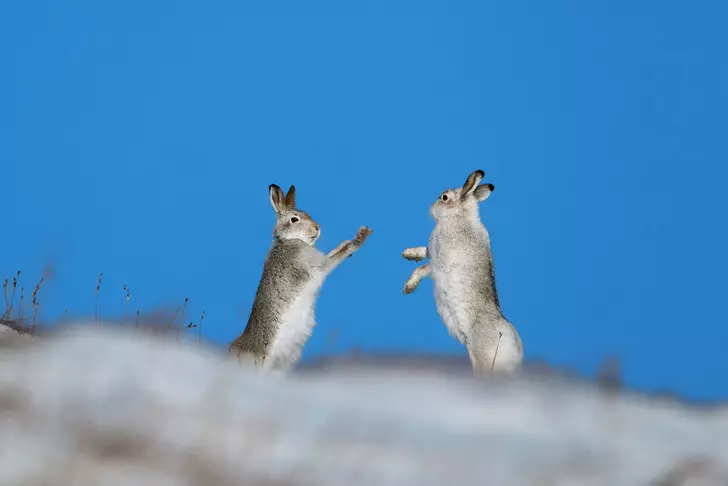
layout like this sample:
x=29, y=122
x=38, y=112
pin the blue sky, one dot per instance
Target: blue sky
x=139, y=138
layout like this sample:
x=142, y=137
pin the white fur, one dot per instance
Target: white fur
x=496, y=345
x=451, y=284
x=457, y=245
x=295, y=328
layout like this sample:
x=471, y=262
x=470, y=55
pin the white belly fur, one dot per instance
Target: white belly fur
x=296, y=327
x=450, y=289
x=453, y=286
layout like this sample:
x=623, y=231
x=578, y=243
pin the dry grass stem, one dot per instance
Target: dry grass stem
x=492, y=366
x=98, y=287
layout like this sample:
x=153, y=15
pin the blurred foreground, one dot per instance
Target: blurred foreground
x=105, y=405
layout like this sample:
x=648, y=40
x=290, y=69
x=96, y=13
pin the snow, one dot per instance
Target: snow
x=96, y=405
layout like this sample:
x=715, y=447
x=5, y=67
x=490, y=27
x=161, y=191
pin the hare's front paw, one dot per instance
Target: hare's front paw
x=413, y=281
x=416, y=254
x=410, y=286
x=361, y=235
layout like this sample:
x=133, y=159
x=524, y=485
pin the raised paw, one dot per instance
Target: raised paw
x=412, y=282
x=409, y=287
x=417, y=254
x=361, y=235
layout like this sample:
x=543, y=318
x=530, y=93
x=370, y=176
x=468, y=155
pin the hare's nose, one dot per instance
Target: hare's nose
x=318, y=229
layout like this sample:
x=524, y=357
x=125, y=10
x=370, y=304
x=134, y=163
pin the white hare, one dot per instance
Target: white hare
x=282, y=318
x=461, y=268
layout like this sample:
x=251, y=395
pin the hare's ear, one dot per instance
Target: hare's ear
x=483, y=191
x=472, y=182
x=277, y=198
x=291, y=197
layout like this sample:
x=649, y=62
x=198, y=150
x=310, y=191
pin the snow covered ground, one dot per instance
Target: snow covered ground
x=104, y=406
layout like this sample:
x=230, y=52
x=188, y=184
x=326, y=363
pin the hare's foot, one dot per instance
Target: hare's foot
x=347, y=248
x=417, y=253
x=417, y=275
x=361, y=236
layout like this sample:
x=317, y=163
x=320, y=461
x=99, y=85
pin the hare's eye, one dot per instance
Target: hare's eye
x=444, y=197
x=294, y=220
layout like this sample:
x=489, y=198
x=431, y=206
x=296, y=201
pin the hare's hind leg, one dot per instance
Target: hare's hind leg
x=245, y=359
x=416, y=277
x=417, y=253
x=499, y=354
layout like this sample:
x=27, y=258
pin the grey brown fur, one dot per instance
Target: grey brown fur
x=282, y=317
x=277, y=272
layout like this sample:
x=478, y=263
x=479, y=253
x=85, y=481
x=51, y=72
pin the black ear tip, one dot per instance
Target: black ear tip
x=480, y=173
x=273, y=187
x=491, y=187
